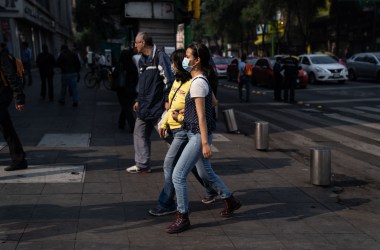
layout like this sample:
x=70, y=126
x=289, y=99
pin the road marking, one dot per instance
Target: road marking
x=44, y=174
x=214, y=149
x=358, y=112
x=377, y=110
x=219, y=137
x=107, y=103
x=65, y=140
x=354, y=121
x=347, y=100
x=334, y=124
x=338, y=88
x=332, y=136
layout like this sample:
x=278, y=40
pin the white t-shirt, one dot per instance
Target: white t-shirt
x=199, y=87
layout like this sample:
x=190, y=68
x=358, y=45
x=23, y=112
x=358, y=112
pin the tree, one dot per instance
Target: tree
x=94, y=21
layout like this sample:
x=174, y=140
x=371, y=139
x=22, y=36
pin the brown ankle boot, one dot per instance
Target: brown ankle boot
x=180, y=224
x=231, y=204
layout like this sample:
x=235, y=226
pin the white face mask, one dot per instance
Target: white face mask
x=185, y=64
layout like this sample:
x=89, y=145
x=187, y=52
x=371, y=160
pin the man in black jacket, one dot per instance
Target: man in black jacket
x=45, y=63
x=11, y=86
x=70, y=67
x=290, y=67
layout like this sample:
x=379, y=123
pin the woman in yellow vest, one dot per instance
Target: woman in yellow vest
x=172, y=124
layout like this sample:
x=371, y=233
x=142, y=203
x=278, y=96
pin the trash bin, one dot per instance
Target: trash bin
x=320, y=166
x=262, y=135
x=229, y=118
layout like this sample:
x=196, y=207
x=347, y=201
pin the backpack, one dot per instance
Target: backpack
x=248, y=69
x=17, y=63
x=19, y=67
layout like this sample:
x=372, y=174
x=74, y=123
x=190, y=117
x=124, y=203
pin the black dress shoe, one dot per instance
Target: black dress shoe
x=75, y=104
x=17, y=166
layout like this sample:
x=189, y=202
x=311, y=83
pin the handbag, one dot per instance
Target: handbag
x=161, y=120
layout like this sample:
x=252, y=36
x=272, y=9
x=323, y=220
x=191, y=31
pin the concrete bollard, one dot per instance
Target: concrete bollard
x=229, y=118
x=320, y=166
x=262, y=135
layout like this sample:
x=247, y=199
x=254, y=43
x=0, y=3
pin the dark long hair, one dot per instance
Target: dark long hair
x=201, y=51
x=176, y=58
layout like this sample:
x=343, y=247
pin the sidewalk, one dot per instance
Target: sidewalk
x=77, y=195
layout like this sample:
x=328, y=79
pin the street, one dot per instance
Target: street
x=76, y=193
x=343, y=117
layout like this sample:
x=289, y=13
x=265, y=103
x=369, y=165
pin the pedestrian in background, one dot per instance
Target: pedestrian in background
x=126, y=94
x=46, y=62
x=290, y=67
x=198, y=124
x=155, y=81
x=26, y=58
x=11, y=87
x=278, y=79
x=70, y=67
x=244, y=78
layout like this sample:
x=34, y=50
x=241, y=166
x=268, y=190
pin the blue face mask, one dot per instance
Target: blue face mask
x=185, y=64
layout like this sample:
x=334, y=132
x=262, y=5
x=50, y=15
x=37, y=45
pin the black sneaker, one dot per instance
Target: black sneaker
x=17, y=166
x=160, y=211
x=75, y=104
x=209, y=199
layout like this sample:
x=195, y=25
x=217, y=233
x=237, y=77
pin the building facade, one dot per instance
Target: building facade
x=36, y=22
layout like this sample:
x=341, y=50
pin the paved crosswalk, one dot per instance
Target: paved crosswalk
x=351, y=131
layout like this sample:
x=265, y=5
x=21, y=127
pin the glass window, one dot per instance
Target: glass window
x=322, y=60
x=305, y=60
x=360, y=59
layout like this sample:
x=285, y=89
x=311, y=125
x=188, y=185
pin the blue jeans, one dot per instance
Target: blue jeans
x=69, y=80
x=192, y=154
x=166, y=199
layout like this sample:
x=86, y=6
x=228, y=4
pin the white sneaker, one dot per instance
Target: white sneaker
x=136, y=170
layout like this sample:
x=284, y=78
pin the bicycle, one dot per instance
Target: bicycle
x=97, y=76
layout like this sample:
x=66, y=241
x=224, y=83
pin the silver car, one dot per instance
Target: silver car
x=364, y=65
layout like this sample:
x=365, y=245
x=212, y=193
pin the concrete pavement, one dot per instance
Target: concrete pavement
x=77, y=195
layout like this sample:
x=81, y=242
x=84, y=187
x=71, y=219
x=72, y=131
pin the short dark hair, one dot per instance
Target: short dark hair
x=146, y=38
x=243, y=57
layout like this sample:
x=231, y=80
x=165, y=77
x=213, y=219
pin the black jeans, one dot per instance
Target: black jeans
x=289, y=85
x=246, y=81
x=126, y=113
x=278, y=82
x=7, y=129
x=47, y=78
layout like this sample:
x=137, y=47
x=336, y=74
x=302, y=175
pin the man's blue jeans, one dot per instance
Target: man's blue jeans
x=69, y=80
x=191, y=154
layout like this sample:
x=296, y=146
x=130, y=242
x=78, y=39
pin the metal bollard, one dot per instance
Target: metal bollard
x=262, y=135
x=229, y=118
x=320, y=166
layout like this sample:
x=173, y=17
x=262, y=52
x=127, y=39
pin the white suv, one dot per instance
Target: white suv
x=323, y=68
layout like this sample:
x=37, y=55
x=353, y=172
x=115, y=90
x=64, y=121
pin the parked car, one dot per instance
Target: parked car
x=262, y=73
x=364, y=65
x=324, y=68
x=302, y=78
x=221, y=65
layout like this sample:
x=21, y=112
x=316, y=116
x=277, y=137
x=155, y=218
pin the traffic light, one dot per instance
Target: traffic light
x=182, y=13
x=196, y=9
